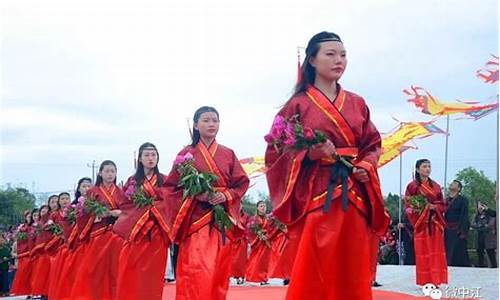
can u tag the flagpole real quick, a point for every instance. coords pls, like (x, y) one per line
(400, 200)
(446, 153)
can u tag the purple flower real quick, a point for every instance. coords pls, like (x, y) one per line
(269, 138)
(277, 130)
(290, 135)
(130, 191)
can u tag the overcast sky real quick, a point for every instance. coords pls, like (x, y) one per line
(92, 80)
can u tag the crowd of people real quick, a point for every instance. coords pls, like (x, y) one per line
(322, 238)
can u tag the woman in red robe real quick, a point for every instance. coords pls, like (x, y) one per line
(429, 224)
(22, 280)
(143, 226)
(260, 232)
(97, 275)
(285, 247)
(204, 262)
(40, 258)
(55, 246)
(333, 186)
(240, 251)
(76, 247)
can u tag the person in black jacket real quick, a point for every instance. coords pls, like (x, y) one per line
(457, 226)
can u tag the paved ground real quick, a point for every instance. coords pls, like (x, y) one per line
(463, 282)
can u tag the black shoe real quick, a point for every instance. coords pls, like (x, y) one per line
(376, 284)
(286, 281)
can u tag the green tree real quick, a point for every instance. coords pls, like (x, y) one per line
(477, 187)
(13, 203)
(391, 203)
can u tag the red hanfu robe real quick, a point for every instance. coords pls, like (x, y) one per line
(260, 251)
(285, 247)
(97, 276)
(334, 258)
(430, 253)
(41, 260)
(57, 251)
(142, 261)
(239, 247)
(22, 280)
(204, 262)
(72, 259)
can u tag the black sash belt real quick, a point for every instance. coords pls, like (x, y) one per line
(339, 173)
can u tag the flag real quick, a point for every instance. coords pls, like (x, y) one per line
(395, 142)
(430, 105)
(489, 74)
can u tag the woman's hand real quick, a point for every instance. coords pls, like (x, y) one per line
(360, 174)
(218, 198)
(115, 213)
(319, 151)
(203, 197)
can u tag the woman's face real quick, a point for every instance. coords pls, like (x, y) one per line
(84, 187)
(44, 211)
(261, 208)
(108, 174)
(330, 61)
(425, 169)
(208, 125)
(149, 158)
(53, 204)
(36, 216)
(27, 218)
(64, 201)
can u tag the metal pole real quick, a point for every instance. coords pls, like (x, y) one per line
(446, 153)
(400, 200)
(93, 170)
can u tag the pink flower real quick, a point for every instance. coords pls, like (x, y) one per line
(180, 159)
(409, 210)
(130, 190)
(279, 123)
(277, 130)
(308, 134)
(290, 135)
(80, 205)
(269, 138)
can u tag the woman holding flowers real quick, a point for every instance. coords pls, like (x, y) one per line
(60, 226)
(425, 208)
(259, 229)
(97, 211)
(22, 280)
(73, 226)
(207, 182)
(142, 224)
(40, 259)
(322, 170)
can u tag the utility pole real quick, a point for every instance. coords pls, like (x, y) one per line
(94, 167)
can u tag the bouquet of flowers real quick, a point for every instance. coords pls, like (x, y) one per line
(55, 229)
(194, 182)
(416, 204)
(137, 195)
(289, 132)
(70, 214)
(257, 229)
(89, 205)
(277, 223)
(21, 236)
